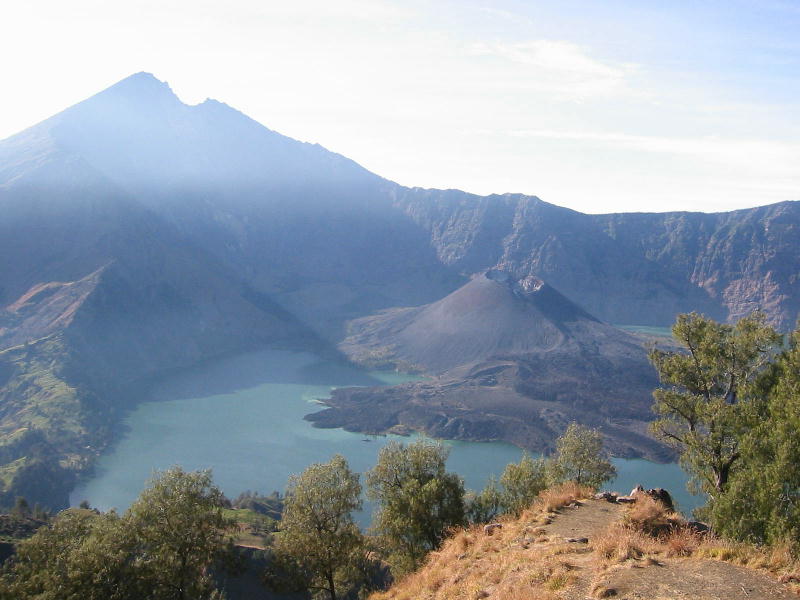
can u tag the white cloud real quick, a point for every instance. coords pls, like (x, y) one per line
(506, 15)
(560, 65)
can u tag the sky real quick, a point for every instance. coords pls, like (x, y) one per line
(600, 106)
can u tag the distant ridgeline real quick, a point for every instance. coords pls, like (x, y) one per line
(140, 235)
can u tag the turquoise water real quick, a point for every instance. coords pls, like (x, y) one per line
(648, 330)
(243, 418)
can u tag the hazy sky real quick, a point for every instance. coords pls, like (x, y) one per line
(596, 105)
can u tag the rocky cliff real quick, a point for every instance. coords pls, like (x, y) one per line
(625, 268)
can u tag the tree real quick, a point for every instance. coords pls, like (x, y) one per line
(761, 502)
(418, 500)
(708, 391)
(317, 531)
(486, 504)
(39, 513)
(163, 548)
(181, 534)
(522, 483)
(22, 509)
(80, 556)
(580, 457)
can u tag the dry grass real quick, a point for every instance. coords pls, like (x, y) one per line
(562, 495)
(514, 563)
(621, 542)
(681, 542)
(775, 559)
(651, 517)
(524, 561)
(648, 532)
(600, 590)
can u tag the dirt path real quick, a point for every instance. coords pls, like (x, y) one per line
(586, 520)
(694, 579)
(577, 553)
(668, 579)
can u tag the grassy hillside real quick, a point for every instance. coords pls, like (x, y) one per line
(51, 425)
(571, 546)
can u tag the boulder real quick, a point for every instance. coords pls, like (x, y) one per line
(698, 526)
(607, 496)
(636, 491)
(662, 496)
(659, 494)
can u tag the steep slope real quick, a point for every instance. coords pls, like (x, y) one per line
(625, 268)
(88, 259)
(100, 295)
(140, 235)
(492, 316)
(52, 423)
(291, 218)
(745, 259)
(331, 241)
(513, 360)
(570, 546)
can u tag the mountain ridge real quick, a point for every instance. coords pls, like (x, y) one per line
(228, 236)
(667, 262)
(626, 267)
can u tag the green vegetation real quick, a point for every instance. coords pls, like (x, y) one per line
(731, 405)
(37, 389)
(15, 527)
(418, 501)
(319, 544)
(51, 426)
(268, 506)
(484, 506)
(522, 483)
(179, 531)
(711, 391)
(163, 548)
(257, 517)
(762, 500)
(579, 459)
(177, 538)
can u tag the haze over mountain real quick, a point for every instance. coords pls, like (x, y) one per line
(140, 235)
(290, 218)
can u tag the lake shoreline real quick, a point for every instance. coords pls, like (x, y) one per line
(254, 438)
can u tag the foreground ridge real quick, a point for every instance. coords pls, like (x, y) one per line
(573, 545)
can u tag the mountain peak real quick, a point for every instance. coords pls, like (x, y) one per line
(141, 86)
(143, 77)
(493, 314)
